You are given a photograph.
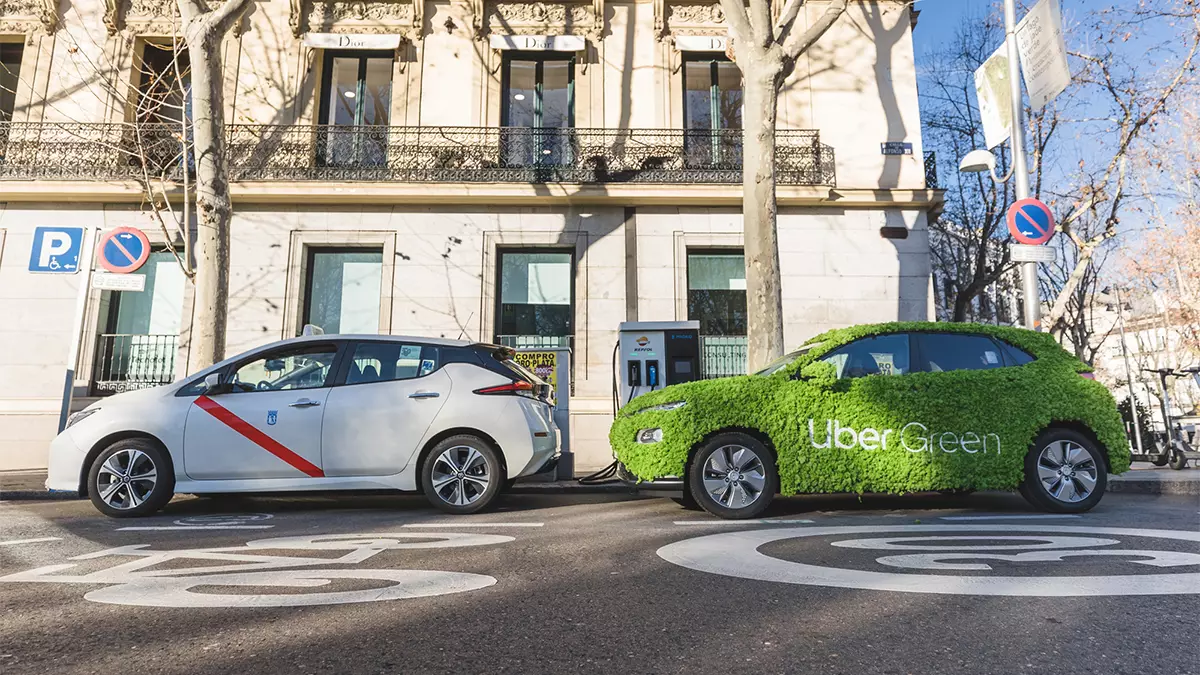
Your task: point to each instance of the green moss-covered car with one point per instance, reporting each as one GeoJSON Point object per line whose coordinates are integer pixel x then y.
{"type": "Point", "coordinates": [895, 408]}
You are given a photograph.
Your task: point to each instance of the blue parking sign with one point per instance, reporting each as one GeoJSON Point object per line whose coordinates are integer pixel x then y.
{"type": "Point", "coordinates": [56, 250]}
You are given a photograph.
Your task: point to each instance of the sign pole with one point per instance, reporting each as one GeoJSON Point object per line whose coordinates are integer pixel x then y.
{"type": "Point", "coordinates": [1029, 270]}
{"type": "Point", "coordinates": [81, 298]}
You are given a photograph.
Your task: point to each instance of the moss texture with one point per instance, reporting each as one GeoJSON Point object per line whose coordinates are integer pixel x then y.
{"type": "Point", "coordinates": [1004, 407]}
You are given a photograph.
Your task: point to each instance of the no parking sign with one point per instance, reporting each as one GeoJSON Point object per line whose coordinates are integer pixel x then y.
{"type": "Point", "coordinates": [123, 250]}
{"type": "Point", "coordinates": [1031, 222]}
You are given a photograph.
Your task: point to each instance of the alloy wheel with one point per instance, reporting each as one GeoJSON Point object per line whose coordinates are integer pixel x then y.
{"type": "Point", "coordinates": [1067, 471]}
{"type": "Point", "coordinates": [126, 479]}
{"type": "Point", "coordinates": [734, 476]}
{"type": "Point", "coordinates": [460, 475]}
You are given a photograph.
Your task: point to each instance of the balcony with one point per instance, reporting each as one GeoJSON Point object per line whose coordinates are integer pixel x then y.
{"type": "Point", "coordinates": [88, 152]}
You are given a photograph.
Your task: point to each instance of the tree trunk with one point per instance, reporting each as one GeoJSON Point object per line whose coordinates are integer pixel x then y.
{"type": "Point", "coordinates": [764, 299]}
{"type": "Point", "coordinates": [214, 209]}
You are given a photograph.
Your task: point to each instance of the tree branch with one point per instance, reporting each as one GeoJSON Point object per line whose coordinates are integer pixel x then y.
{"type": "Point", "coordinates": [739, 23]}
{"type": "Point", "coordinates": [230, 12]}
{"type": "Point", "coordinates": [795, 45]}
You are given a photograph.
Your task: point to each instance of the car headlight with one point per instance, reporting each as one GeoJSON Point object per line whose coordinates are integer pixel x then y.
{"type": "Point", "coordinates": [647, 436]}
{"type": "Point", "coordinates": [663, 407]}
{"type": "Point", "coordinates": [79, 416]}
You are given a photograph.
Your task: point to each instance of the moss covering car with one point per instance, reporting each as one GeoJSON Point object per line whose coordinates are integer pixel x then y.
{"type": "Point", "coordinates": [893, 408]}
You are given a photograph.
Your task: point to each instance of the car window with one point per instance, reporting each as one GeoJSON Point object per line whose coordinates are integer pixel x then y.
{"type": "Point", "coordinates": [1014, 356]}
{"type": "Point", "coordinates": [783, 361]}
{"type": "Point", "coordinates": [940, 352]}
{"type": "Point", "coordinates": [878, 355]}
{"type": "Point", "coordinates": [297, 367]}
{"type": "Point", "coordinates": [388, 361]}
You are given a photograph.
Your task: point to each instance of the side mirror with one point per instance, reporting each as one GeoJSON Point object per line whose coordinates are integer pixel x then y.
{"type": "Point", "coordinates": [819, 373]}
{"type": "Point", "coordinates": [213, 384]}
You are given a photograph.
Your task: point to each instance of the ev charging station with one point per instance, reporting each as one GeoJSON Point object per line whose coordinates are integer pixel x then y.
{"type": "Point", "coordinates": [654, 354]}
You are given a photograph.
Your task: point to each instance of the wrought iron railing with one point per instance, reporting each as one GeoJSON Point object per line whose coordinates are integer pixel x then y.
{"type": "Point", "coordinates": [128, 362]}
{"type": "Point", "coordinates": [722, 356]}
{"type": "Point", "coordinates": [931, 170]}
{"type": "Point", "coordinates": [72, 151]}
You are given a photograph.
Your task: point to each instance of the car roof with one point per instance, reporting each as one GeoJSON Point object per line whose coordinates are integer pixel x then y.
{"type": "Point", "coordinates": [439, 342]}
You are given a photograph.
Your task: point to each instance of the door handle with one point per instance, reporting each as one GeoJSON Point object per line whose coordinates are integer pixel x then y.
{"type": "Point", "coordinates": [424, 394]}
{"type": "Point", "coordinates": [304, 403]}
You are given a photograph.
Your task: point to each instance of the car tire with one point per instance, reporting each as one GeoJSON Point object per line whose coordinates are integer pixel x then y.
{"type": "Point", "coordinates": [733, 475]}
{"type": "Point", "coordinates": [462, 474]}
{"type": "Point", "coordinates": [1064, 472]}
{"type": "Point", "coordinates": [131, 478]}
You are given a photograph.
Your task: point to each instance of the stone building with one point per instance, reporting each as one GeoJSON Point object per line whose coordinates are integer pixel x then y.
{"type": "Point", "coordinates": [531, 173]}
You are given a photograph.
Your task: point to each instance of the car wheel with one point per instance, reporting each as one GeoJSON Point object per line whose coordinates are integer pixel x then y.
{"type": "Point", "coordinates": [462, 474]}
{"type": "Point", "coordinates": [1178, 460]}
{"type": "Point", "coordinates": [733, 475]}
{"type": "Point", "coordinates": [1064, 472]}
{"type": "Point", "coordinates": [131, 478]}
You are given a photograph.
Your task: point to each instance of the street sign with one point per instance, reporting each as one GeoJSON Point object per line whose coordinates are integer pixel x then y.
{"type": "Point", "coordinates": [995, 98]}
{"type": "Point", "coordinates": [1027, 253]}
{"type": "Point", "coordinates": [895, 148]}
{"type": "Point", "coordinates": [1030, 222]}
{"type": "Point", "coordinates": [56, 250]}
{"type": "Point", "coordinates": [1043, 53]}
{"type": "Point", "coordinates": [123, 250]}
{"type": "Point", "coordinates": [107, 281]}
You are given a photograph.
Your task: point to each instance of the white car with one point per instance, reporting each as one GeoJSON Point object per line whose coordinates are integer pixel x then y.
{"type": "Point", "coordinates": [456, 420]}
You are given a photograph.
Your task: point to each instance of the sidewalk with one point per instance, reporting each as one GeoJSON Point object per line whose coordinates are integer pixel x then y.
{"type": "Point", "coordinates": [1143, 479]}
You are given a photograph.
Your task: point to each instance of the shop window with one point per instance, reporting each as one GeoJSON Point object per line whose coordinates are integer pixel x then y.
{"type": "Point", "coordinates": [538, 113]}
{"type": "Point", "coordinates": [140, 330]}
{"type": "Point", "coordinates": [10, 76]}
{"type": "Point", "coordinates": [717, 292]}
{"type": "Point", "coordinates": [342, 291]}
{"type": "Point", "coordinates": [536, 302]}
{"type": "Point", "coordinates": [712, 111]}
{"type": "Point", "coordinates": [356, 103]}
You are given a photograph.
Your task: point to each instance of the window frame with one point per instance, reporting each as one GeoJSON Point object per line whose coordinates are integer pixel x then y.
{"type": "Point", "coordinates": [912, 353]}
{"type": "Point", "coordinates": [920, 351]}
{"type": "Point", "coordinates": [687, 275]}
{"type": "Point", "coordinates": [343, 371]}
{"type": "Point", "coordinates": [327, 80]}
{"type": "Point", "coordinates": [714, 88]}
{"type": "Point", "coordinates": [310, 254]}
{"type": "Point", "coordinates": [501, 251]}
{"type": "Point", "coordinates": [539, 83]}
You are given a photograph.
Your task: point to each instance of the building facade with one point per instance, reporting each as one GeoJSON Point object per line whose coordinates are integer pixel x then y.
{"type": "Point", "coordinates": [532, 173]}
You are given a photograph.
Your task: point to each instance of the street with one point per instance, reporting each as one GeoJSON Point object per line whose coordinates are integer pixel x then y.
{"type": "Point", "coordinates": [602, 583]}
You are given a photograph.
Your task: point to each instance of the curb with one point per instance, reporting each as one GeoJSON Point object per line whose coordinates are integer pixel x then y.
{"type": "Point", "coordinates": [36, 495]}
{"type": "Point", "coordinates": [1155, 487]}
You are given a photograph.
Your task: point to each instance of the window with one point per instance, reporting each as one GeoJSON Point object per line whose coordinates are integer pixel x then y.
{"type": "Point", "coordinates": [302, 367]}
{"type": "Point", "coordinates": [712, 111]}
{"type": "Point", "coordinates": [387, 361]}
{"type": "Point", "coordinates": [164, 85]}
{"type": "Point", "coordinates": [536, 299]}
{"type": "Point", "coordinates": [1019, 357]}
{"type": "Point", "coordinates": [356, 93]}
{"type": "Point", "coordinates": [538, 108]}
{"type": "Point", "coordinates": [879, 355]}
{"type": "Point", "coordinates": [947, 351]}
{"type": "Point", "coordinates": [717, 292]}
{"type": "Point", "coordinates": [342, 290]}
{"type": "Point", "coordinates": [10, 76]}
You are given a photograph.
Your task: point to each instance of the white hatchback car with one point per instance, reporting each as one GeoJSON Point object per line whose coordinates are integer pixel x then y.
{"type": "Point", "coordinates": [454, 419]}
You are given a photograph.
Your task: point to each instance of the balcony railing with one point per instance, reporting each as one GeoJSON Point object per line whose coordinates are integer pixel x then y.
{"type": "Point", "coordinates": [72, 151]}
{"type": "Point", "coordinates": [722, 356]}
{"type": "Point", "coordinates": [129, 362]}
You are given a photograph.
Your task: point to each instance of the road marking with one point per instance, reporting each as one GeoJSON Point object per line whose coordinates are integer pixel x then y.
{"type": "Point", "coordinates": [1038, 516]}
{"type": "Point", "coordinates": [148, 528]}
{"type": "Point", "coordinates": [458, 525]}
{"type": "Point", "coordinates": [743, 522]}
{"type": "Point", "coordinates": [29, 541]}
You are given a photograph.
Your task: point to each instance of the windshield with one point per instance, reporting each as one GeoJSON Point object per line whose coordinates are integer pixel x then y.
{"type": "Point", "coordinates": [783, 361]}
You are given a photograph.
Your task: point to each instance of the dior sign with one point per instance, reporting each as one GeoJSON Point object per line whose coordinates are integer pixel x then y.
{"type": "Point", "coordinates": [539, 43]}
{"type": "Point", "coordinates": [701, 43]}
{"type": "Point", "coordinates": [351, 41]}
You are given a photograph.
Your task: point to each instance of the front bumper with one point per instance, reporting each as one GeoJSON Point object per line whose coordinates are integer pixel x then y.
{"type": "Point", "coordinates": [65, 468]}
{"type": "Point", "coordinates": [668, 486]}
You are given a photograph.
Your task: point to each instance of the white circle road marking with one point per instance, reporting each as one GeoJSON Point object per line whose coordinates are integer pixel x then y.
{"type": "Point", "coordinates": [380, 541]}
{"type": "Point", "coordinates": [14, 542]}
{"type": "Point", "coordinates": [907, 543]}
{"type": "Point", "coordinates": [224, 519]}
{"type": "Point", "coordinates": [736, 554]}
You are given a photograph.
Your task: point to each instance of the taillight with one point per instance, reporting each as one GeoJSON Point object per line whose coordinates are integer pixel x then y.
{"type": "Point", "coordinates": [514, 388]}
{"type": "Point", "coordinates": [1088, 376]}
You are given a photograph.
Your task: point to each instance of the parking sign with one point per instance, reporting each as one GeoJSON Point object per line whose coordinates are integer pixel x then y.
{"type": "Point", "coordinates": [56, 250]}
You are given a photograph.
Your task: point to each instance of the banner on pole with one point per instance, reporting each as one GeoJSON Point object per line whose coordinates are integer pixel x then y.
{"type": "Point", "coordinates": [995, 98]}
{"type": "Point", "coordinates": [1043, 52]}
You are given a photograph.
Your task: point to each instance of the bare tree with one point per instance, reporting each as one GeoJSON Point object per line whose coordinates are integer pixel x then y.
{"type": "Point", "coordinates": [765, 50]}
{"type": "Point", "coordinates": [203, 31]}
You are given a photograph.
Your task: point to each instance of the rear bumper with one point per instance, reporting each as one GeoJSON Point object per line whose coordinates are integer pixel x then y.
{"type": "Point", "coordinates": [668, 486]}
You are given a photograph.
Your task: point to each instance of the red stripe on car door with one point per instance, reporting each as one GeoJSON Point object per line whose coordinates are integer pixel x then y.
{"type": "Point", "coordinates": [257, 437]}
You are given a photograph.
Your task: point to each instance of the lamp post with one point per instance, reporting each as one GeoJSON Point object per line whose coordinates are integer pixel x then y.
{"type": "Point", "coordinates": [978, 161]}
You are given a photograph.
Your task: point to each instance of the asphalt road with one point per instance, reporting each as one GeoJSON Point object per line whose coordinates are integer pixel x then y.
{"type": "Point", "coordinates": [598, 583]}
